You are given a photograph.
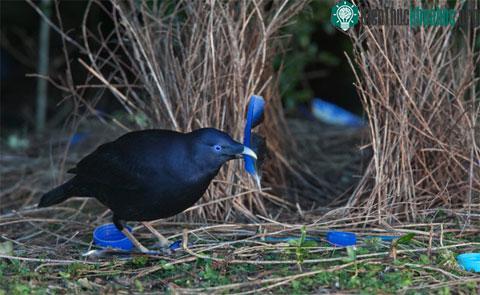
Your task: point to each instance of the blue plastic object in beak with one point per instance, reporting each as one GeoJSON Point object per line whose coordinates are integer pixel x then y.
{"type": "Point", "coordinates": [255, 111]}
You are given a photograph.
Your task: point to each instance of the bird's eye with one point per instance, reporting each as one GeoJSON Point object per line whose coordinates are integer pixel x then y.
{"type": "Point", "coordinates": [217, 147]}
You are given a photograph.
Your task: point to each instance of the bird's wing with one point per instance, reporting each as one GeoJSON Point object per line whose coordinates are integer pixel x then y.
{"type": "Point", "coordinates": [111, 166]}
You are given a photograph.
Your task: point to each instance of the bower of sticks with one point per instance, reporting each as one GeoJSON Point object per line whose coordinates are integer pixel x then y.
{"type": "Point", "coordinates": [414, 168]}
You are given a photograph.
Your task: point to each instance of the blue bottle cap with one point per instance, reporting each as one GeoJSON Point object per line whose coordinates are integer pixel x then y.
{"type": "Point", "coordinates": [107, 235]}
{"type": "Point", "coordinates": [469, 261]}
{"type": "Point", "coordinates": [332, 114]}
{"type": "Point", "coordinates": [341, 239]}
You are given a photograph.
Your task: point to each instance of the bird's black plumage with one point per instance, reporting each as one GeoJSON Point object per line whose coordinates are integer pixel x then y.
{"type": "Point", "coordinates": [150, 174]}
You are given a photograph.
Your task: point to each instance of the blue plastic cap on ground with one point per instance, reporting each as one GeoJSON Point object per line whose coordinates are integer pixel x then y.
{"type": "Point", "coordinates": [332, 114]}
{"type": "Point", "coordinates": [341, 239]}
{"type": "Point", "coordinates": [107, 235]}
{"type": "Point", "coordinates": [469, 261]}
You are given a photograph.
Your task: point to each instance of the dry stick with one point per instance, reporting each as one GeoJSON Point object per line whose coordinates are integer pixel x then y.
{"type": "Point", "coordinates": [379, 103]}
{"type": "Point", "coordinates": [61, 261]}
{"type": "Point", "coordinates": [448, 274]}
{"type": "Point", "coordinates": [265, 246]}
{"type": "Point", "coordinates": [114, 90]}
{"type": "Point", "coordinates": [307, 261]}
{"type": "Point", "coordinates": [152, 71]}
{"type": "Point", "coordinates": [445, 284]}
{"type": "Point", "coordinates": [54, 27]}
{"type": "Point", "coordinates": [277, 281]}
{"type": "Point", "coordinates": [29, 220]}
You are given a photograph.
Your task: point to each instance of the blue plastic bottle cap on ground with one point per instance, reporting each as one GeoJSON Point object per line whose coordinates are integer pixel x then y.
{"type": "Point", "coordinates": [107, 235]}
{"type": "Point", "coordinates": [341, 239]}
{"type": "Point", "coordinates": [332, 114]}
{"type": "Point", "coordinates": [469, 261]}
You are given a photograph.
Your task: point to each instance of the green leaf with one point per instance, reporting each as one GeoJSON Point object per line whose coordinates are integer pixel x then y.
{"type": "Point", "coordinates": [139, 286]}
{"type": "Point", "coordinates": [303, 235]}
{"type": "Point", "coordinates": [64, 275]}
{"type": "Point", "coordinates": [310, 243]}
{"type": "Point", "coordinates": [296, 285]}
{"type": "Point", "coordinates": [405, 239]}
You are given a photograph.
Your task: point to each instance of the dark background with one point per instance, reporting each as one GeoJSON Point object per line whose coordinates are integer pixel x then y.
{"type": "Point", "coordinates": [315, 65]}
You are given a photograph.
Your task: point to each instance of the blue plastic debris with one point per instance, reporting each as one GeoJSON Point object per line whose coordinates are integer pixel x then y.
{"type": "Point", "coordinates": [341, 239]}
{"type": "Point", "coordinates": [78, 137]}
{"type": "Point", "coordinates": [107, 235]}
{"type": "Point", "coordinates": [469, 261]}
{"type": "Point", "coordinates": [331, 114]}
{"type": "Point", "coordinates": [255, 111]}
{"type": "Point", "coordinates": [175, 245]}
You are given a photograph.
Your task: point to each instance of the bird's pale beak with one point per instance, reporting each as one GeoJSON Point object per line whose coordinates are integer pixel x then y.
{"type": "Point", "coordinates": [249, 152]}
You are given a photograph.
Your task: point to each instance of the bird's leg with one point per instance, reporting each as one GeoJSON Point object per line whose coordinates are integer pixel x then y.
{"type": "Point", "coordinates": [135, 242]}
{"type": "Point", "coordinates": [164, 243]}
{"type": "Point", "coordinates": [119, 224]}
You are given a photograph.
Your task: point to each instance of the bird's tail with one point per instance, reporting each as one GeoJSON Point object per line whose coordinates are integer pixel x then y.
{"type": "Point", "coordinates": [58, 194]}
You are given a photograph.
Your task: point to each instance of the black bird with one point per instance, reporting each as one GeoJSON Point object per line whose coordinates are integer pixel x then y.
{"type": "Point", "coordinates": [150, 174]}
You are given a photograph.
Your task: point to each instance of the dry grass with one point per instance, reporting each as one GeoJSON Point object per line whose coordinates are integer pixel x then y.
{"type": "Point", "coordinates": [218, 258]}
{"type": "Point", "coordinates": [236, 258]}
{"type": "Point", "coordinates": [419, 88]}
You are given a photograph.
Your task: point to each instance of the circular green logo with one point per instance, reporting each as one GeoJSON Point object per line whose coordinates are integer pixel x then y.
{"type": "Point", "coordinates": [344, 15]}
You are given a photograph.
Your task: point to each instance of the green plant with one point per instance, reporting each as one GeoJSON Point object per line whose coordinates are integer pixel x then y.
{"type": "Point", "coordinates": [212, 276]}
{"type": "Point", "coordinates": [301, 245]}
{"type": "Point", "coordinates": [405, 239]}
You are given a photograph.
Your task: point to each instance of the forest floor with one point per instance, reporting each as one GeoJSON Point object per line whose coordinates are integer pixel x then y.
{"type": "Point", "coordinates": [41, 249]}
{"type": "Point", "coordinates": [41, 253]}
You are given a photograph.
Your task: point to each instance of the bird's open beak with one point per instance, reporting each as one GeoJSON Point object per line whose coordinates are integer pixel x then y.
{"type": "Point", "coordinates": [249, 152]}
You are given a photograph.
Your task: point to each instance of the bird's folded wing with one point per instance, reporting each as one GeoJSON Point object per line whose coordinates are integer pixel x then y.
{"type": "Point", "coordinates": [109, 166]}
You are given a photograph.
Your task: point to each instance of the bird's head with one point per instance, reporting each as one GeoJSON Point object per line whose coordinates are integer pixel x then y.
{"type": "Point", "coordinates": [215, 147]}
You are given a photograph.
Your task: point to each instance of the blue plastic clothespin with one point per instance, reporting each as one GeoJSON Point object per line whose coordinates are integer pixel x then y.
{"type": "Point", "coordinates": [255, 111]}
